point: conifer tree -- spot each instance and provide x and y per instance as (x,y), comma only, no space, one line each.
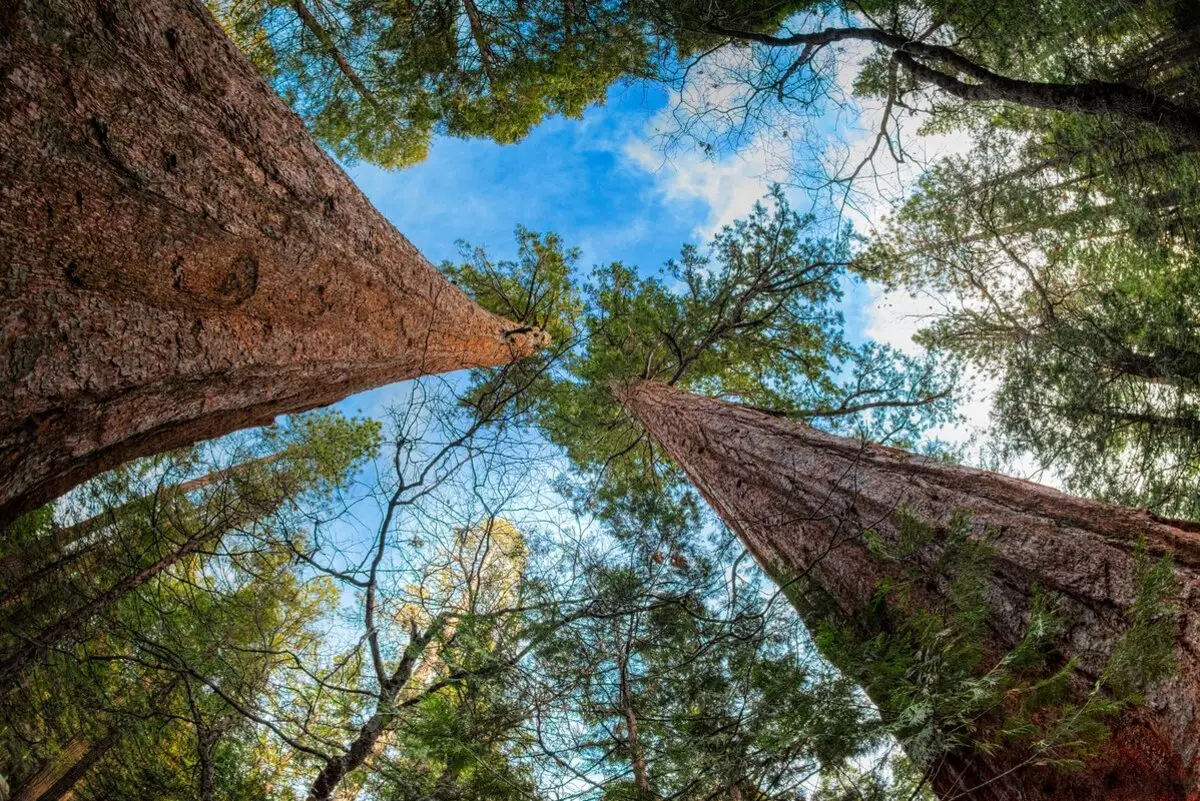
(181,258)
(1003,625)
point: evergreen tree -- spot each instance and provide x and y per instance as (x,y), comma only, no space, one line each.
(1071,278)
(250,277)
(753,317)
(966,603)
(149,533)
(376,80)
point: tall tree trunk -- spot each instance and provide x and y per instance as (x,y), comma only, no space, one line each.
(58,766)
(64,788)
(800,500)
(206,743)
(178,257)
(57,780)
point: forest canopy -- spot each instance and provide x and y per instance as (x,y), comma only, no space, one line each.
(683,531)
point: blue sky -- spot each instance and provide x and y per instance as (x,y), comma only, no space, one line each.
(569,176)
(606,186)
(602,183)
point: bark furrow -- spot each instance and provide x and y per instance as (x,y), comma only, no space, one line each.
(800,500)
(178,257)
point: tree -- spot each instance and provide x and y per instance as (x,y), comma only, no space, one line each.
(753,316)
(699,685)
(138,719)
(374,80)
(378,81)
(183,260)
(938,586)
(154,533)
(1070,277)
(444,608)
(312,454)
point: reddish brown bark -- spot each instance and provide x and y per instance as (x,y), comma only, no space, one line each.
(70,766)
(178,257)
(38,786)
(799,499)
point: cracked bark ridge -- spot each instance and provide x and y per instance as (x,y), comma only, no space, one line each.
(799,499)
(178,257)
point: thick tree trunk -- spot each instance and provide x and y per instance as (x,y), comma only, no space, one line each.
(64,787)
(57,780)
(800,499)
(178,257)
(37,785)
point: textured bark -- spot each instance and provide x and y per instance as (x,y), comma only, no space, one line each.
(799,499)
(57,780)
(178,257)
(64,787)
(206,742)
(38,785)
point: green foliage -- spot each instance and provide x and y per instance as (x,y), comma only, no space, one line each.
(923,658)
(717,679)
(27,529)
(378,80)
(1146,654)
(322,448)
(892,777)
(1059,265)
(461,743)
(753,317)
(167,591)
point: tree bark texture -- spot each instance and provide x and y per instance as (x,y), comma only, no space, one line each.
(800,500)
(38,785)
(64,788)
(178,257)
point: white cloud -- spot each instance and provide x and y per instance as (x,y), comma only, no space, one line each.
(893,318)
(729,183)
(728,186)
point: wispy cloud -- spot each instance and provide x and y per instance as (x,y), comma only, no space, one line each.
(727,187)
